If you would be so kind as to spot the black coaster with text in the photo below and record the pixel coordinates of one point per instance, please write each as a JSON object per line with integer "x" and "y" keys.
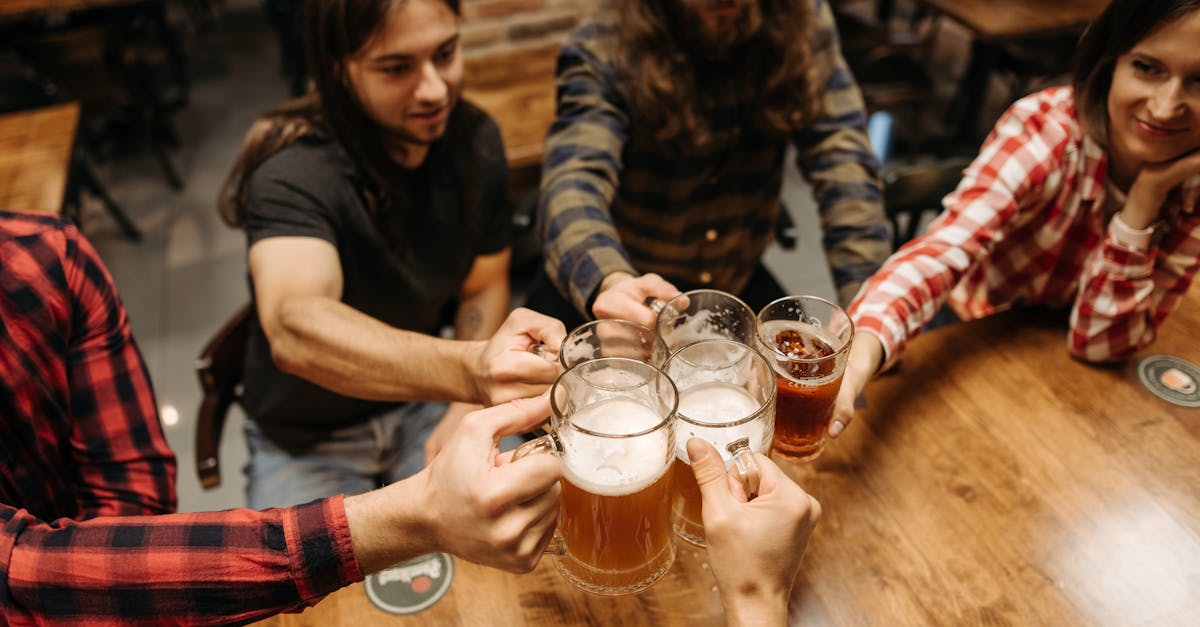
{"x": 413, "y": 586}
{"x": 1172, "y": 379}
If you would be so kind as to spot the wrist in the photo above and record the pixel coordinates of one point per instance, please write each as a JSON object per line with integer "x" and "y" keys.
{"x": 612, "y": 279}
{"x": 756, "y": 609}
{"x": 1141, "y": 207}
{"x": 388, "y": 526}
{"x": 1128, "y": 235}
{"x": 470, "y": 376}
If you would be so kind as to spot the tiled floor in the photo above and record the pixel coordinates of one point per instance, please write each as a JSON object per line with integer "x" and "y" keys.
{"x": 188, "y": 275}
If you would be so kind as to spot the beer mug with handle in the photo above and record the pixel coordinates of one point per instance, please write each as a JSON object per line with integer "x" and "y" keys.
{"x": 726, "y": 396}
{"x": 607, "y": 337}
{"x": 613, "y": 425}
{"x": 704, "y": 315}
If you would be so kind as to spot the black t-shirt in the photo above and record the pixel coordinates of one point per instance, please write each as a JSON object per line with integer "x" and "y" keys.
{"x": 312, "y": 188}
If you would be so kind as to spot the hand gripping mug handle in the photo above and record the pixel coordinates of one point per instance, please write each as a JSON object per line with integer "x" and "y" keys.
{"x": 743, "y": 459}
{"x": 547, "y": 444}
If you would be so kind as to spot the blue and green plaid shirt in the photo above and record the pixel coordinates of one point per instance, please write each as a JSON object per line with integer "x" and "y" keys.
{"x": 614, "y": 198}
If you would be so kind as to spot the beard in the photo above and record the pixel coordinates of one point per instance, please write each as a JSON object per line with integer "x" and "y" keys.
{"x": 715, "y": 43}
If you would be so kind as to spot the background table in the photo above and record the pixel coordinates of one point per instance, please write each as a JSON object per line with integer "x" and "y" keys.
{"x": 35, "y": 157}
{"x": 996, "y": 22}
{"x": 21, "y": 9}
{"x": 991, "y": 19}
{"x": 992, "y": 480}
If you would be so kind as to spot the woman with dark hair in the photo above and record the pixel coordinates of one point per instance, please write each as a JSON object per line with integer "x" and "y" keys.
{"x": 1083, "y": 197}
{"x": 373, "y": 207}
{"x": 665, "y": 163}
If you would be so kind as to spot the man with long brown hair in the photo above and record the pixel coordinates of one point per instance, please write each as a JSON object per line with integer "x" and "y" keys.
{"x": 668, "y": 151}
{"x": 371, "y": 207}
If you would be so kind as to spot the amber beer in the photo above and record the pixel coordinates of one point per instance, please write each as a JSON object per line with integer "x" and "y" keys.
{"x": 809, "y": 376}
{"x": 615, "y": 514}
{"x": 707, "y": 407}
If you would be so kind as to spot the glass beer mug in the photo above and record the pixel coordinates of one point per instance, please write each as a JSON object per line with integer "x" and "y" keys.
{"x": 704, "y": 315}
{"x": 807, "y": 339}
{"x": 613, "y": 425}
{"x": 726, "y": 396}
{"x": 607, "y": 337}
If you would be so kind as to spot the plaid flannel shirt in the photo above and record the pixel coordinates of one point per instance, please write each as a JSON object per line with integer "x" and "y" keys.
{"x": 613, "y": 198}
{"x": 1029, "y": 225}
{"x": 87, "y": 479}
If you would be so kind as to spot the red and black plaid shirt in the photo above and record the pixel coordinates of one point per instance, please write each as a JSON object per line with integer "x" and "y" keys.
{"x": 86, "y": 475}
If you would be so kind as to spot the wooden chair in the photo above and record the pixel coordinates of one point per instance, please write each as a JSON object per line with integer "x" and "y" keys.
{"x": 220, "y": 370}
{"x": 20, "y": 92}
{"x": 123, "y": 67}
{"x": 911, "y": 192}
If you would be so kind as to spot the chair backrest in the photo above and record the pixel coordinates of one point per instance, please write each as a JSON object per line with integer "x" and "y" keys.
{"x": 910, "y": 191}
{"x": 220, "y": 369}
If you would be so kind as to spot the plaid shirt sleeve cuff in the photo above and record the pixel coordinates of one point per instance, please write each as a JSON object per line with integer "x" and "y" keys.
{"x": 1124, "y": 262}
{"x": 320, "y": 548}
{"x": 891, "y": 339}
{"x": 587, "y": 275}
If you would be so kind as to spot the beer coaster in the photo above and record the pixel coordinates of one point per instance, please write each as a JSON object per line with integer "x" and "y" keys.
{"x": 413, "y": 586}
{"x": 1172, "y": 379}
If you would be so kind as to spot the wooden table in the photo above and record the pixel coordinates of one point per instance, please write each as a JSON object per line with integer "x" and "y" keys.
{"x": 517, "y": 89}
{"x": 524, "y": 111}
{"x": 993, "y": 480}
{"x": 23, "y": 9}
{"x": 992, "y": 19}
{"x": 994, "y": 22}
{"x": 35, "y": 157}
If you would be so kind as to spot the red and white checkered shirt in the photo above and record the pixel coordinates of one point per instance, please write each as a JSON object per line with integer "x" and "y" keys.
{"x": 1029, "y": 225}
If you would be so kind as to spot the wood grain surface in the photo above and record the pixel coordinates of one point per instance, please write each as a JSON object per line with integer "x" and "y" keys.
{"x": 1001, "y": 19}
{"x": 21, "y": 9}
{"x": 992, "y": 480}
{"x": 35, "y": 157}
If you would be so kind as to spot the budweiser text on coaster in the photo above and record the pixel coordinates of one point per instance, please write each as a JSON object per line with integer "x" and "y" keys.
{"x": 726, "y": 396}
{"x": 613, "y": 425}
{"x": 705, "y": 315}
{"x": 612, "y": 337}
{"x": 807, "y": 341}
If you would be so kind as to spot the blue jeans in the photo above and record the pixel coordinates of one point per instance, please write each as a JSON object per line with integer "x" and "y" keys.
{"x": 386, "y": 448}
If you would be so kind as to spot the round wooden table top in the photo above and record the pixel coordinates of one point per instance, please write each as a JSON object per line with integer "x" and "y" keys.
{"x": 991, "y": 480}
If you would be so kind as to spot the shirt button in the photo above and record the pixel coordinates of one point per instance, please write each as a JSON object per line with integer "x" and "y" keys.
{"x": 705, "y": 277}
{"x": 711, "y": 235}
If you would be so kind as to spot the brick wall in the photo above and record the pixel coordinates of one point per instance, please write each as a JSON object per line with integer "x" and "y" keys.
{"x": 503, "y": 26}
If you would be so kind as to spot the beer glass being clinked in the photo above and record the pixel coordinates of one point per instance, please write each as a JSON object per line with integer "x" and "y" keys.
{"x": 807, "y": 340}
{"x": 613, "y": 422}
{"x": 726, "y": 396}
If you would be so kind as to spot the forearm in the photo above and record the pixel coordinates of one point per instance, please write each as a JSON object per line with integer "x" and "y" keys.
{"x": 481, "y": 314}
{"x": 348, "y": 352}
{"x": 579, "y": 185}
{"x": 855, "y": 229}
{"x": 268, "y": 562}
{"x": 385, "y": 535}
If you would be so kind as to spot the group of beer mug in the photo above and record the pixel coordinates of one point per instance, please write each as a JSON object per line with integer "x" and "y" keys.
{"x": 630, "y": 397}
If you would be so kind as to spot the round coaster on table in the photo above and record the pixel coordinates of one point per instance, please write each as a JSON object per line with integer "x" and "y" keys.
{"x": 413, "y": 586}
{"x": 1172, "y": 379}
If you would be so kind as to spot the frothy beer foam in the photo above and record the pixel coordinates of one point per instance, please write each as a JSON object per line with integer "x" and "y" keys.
{"x": 717, "y": 403}
{"x": 800, "y": 341}
{"x": 614, "y": 466}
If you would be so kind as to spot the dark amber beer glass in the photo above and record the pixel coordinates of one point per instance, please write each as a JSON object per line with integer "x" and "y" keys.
{"x": 726, "y": 396}
{"x": 807, "y": 340}
{"x": 614, "y": 432}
